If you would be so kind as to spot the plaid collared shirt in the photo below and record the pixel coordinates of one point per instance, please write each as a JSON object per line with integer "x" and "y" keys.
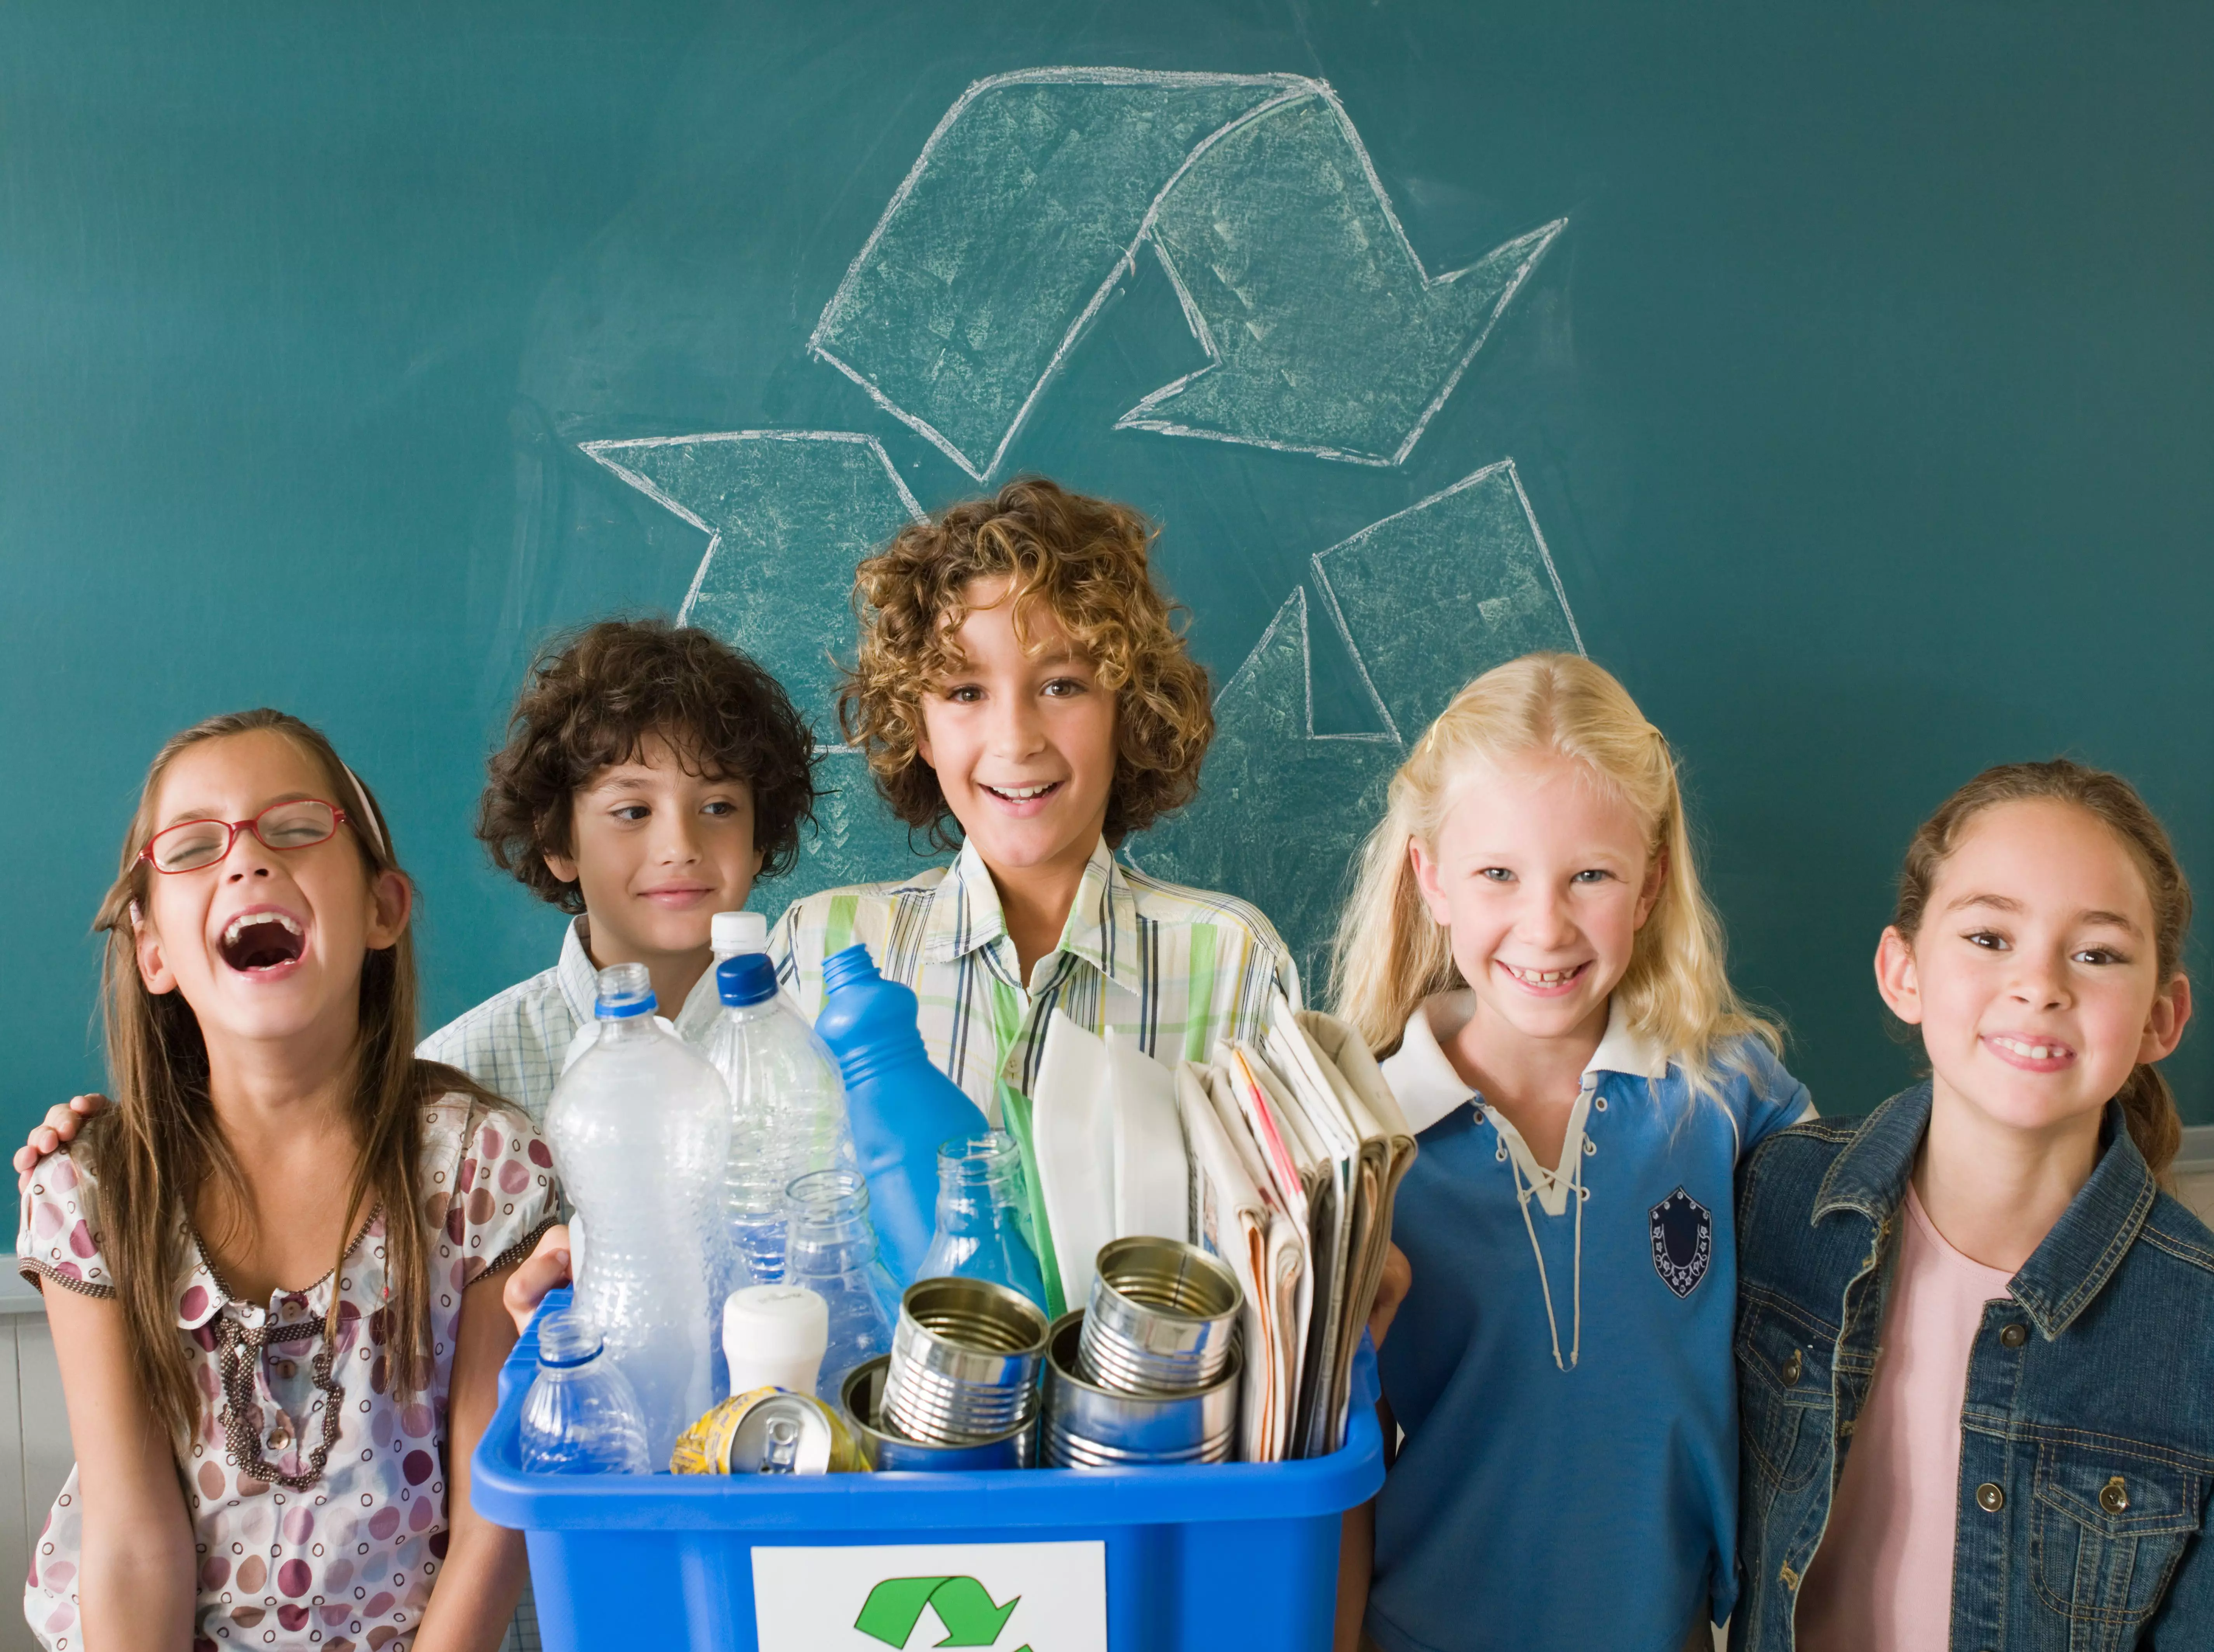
{"x": 1177, "y": 970}
{"x": 515, "y": 1042}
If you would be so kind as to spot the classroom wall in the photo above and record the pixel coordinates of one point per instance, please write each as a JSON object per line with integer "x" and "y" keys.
{"x": 1836, "y": 376}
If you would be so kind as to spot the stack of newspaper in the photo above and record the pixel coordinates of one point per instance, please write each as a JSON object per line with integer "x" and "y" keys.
{"x": 1282, "y": 1159}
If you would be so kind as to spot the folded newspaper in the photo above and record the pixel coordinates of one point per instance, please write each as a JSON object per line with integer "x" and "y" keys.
{"x": 1292, "y": 1149}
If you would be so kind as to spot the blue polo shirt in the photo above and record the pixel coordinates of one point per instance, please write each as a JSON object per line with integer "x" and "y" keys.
{"x": 1562, "y": 1367}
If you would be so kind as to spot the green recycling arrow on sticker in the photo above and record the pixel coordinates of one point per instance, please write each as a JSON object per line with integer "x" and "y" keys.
{"x": 963, "y": 1606}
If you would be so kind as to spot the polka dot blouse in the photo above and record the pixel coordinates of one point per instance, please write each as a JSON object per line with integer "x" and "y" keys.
{"x": 318, "y": 1501}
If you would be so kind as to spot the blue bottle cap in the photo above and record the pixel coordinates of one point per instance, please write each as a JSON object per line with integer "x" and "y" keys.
{"x": 625, "y": 989}
{"x": 749, "y": 978}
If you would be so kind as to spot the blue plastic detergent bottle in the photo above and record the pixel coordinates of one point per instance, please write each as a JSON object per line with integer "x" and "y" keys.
{"x": 901, "y": 1106}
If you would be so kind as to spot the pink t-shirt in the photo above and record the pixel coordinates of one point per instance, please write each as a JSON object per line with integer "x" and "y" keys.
{"x": 1883, "y": 1580}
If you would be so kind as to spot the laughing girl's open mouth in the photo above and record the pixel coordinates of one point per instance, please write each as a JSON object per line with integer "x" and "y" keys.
{"x": 261, "y": 940}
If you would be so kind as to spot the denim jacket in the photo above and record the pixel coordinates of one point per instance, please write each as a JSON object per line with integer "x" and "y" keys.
{"x": 2087, "y": 1437}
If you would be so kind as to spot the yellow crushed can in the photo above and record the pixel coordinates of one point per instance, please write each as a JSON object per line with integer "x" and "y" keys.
{"x": 768, "y": 1431}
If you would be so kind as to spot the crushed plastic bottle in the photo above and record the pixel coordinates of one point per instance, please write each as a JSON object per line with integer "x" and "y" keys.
{"x": 640, "y": 1131}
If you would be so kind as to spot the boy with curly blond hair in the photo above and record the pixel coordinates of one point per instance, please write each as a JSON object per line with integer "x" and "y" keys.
{"x": 1024, "y": 696}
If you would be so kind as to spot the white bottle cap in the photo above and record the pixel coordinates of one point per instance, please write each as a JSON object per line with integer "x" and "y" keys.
{"x": 773, "y": 1337}
{"x": 729, "y": 932}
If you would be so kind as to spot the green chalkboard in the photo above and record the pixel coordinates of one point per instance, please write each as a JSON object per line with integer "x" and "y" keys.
{"x": 1836, "y": 375}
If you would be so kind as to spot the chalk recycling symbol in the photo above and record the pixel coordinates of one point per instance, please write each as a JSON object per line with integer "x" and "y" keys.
{"x": 964, "y": 1607}
{"x": 1037, "y": 193}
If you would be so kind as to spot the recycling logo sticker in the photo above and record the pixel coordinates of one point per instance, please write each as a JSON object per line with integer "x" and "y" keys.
{"x": 965, "y": 1607}
{"x": 1012, "y": 1597}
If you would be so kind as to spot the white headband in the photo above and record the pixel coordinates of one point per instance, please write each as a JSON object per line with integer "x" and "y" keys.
{"x": 368, "y": 812}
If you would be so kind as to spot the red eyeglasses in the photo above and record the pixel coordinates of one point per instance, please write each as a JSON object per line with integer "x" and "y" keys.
{"x": 302, "y": 823}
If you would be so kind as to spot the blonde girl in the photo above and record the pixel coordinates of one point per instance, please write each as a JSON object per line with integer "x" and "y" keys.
{"x": 264, "y": 1266}
{"x": 1529, "y": 948}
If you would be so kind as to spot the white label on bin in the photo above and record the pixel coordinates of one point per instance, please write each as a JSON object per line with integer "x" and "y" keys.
{"x": 1047, "y": 1597}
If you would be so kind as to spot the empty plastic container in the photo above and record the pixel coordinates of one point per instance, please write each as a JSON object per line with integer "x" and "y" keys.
{"x": 901, "y": 1107}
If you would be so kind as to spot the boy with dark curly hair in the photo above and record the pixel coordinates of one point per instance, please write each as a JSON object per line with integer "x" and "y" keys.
{"x": 650, "y": 773}
{"x": 1023, "y": 695}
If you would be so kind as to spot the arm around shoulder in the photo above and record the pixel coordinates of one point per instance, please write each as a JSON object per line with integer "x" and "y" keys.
{"x": 1773, "y": 1098}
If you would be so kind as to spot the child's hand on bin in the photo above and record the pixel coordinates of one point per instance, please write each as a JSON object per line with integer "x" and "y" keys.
{"x": 546, "y": 1269}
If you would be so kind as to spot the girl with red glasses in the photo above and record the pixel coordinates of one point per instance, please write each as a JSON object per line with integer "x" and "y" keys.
{"x": 270, "y": 1252}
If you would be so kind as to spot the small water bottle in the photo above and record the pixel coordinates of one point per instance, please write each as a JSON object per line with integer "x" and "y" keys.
{"x": 980, "y": 1191}
{"x": 581, "y": 1416}
{"x": 833, "y": 1253}
{"x": 901, "y": 1106}
{"x": 787, "y": 1107}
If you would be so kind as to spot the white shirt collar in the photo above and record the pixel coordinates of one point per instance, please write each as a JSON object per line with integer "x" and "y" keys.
{"x": 1428, "y": 1088}
{"x": 580, "y": 986}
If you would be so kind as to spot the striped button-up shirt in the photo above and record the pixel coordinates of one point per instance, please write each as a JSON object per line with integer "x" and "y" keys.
{"x": 1177, "y": 970}
{"x": 515, "y": 1042}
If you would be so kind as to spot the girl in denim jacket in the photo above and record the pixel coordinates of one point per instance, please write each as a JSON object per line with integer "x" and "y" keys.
{"x": 1974, "y": 1335}
{"x": 1530, "y": 950}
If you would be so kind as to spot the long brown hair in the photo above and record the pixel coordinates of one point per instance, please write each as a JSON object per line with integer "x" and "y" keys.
{"x": 2148, "y": 1104}
{"x": 161, "y": 1142}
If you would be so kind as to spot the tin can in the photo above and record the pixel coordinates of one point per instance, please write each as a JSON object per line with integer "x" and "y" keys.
{"x": 964, "y": 1363}
{"x": 1089, "y": 1424}
{"x": 888, "y": 1451}
{"x": 1162, "y": 1319}
{"x": 768, "y": 1431}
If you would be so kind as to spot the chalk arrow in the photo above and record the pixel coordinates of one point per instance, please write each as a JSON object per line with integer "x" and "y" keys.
{"x": 1031, "y": 201}
{"x": 1010, "y": 231}
{"x": 1443, "y": 591}
{"x": 1325, "y": 336}
{"x": 1426, "y": 600}
{"x": 788, "y": 514}
{"x": 1279, "y": 810}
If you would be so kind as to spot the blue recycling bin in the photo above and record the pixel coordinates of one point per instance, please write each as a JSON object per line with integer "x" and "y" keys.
{"x": 1232, "y": 1558}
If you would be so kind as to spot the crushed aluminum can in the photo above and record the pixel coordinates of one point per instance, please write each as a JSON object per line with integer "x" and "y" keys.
{"x": 768, "y": 1431}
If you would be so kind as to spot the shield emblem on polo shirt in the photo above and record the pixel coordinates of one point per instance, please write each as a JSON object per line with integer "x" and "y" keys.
{"x": 1683, "y": 1241}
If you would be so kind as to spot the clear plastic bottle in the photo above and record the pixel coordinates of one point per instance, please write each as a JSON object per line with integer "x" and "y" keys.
{"x": 787, "y": 1107}
{"x": 980, "y": 1236}
{"x": 639, "y": 1127}
{"x": 581, "y": 1416}
{"x": 833, "y": 1253}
